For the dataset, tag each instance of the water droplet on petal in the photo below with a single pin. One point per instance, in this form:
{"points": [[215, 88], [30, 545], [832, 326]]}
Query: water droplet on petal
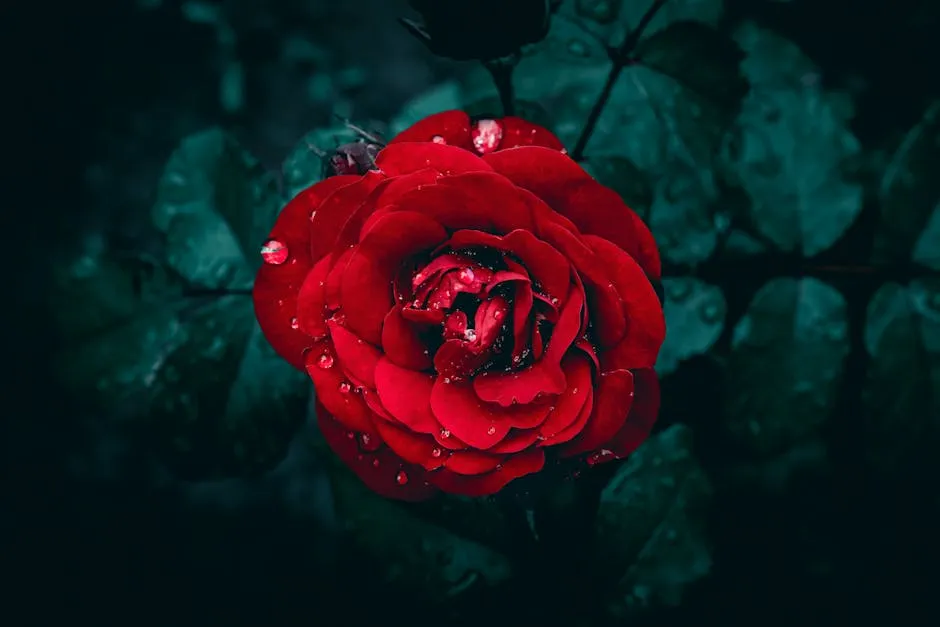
{"points": [[375, 463], [274, 252], [491, 431], [446, 379], [435, 452], [437, 139], [326, 361], [487, 134], [470, 335], [401, 478], [445, 433], [350, 435], [466, 275], [344, 388], [294, 323], [313, 214]]}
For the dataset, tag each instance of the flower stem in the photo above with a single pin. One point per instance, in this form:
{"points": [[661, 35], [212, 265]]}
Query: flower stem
{"points": [[621, 59], [501, 70]]}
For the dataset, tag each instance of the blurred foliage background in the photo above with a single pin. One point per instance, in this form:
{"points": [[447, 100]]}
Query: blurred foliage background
{"points": [[785, 157]]}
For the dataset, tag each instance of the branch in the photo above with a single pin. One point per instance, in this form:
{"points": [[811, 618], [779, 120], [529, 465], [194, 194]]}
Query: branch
{"points": [[621, 59]]}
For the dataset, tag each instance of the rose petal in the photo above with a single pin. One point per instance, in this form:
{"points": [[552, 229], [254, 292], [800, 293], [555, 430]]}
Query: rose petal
{"points": [[519, 132], [481, 201], [571, 191], [334, 391], [414, 448], [472, 462], [568, 405], [481, 425], [379, 470], [359, 358], [402, 342], [517, 440], [311, 301], [337, 208], [646, 325], [643, 414], [543, 377], [406, 395], [515, 466], [613, 397], [401, 158], [452, 127]]}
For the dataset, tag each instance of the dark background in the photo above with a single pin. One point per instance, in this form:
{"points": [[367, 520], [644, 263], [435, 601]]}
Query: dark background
{"points": [[110, 88]]}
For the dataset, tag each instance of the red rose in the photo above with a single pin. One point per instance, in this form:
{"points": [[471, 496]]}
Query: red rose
{"points": [[476, 305]]}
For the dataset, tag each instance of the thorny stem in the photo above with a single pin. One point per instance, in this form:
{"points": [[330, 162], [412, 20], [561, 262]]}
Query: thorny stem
{"points": [[621, 59], [501, 70]]}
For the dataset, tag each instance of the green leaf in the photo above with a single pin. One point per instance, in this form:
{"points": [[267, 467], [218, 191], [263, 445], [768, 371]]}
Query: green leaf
{"points": [[909, 194], [193, 373], [614, 18], [786, 363], [651, 524], [669, 130], [443, 97], [695, 317], [621, 175], [902, 335], [408, 551], [215, 203], [789, 148]]}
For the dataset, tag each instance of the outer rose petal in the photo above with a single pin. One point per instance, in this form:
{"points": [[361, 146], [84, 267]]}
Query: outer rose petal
{"points": [[335, 392], [408, 157], [515, 466], [643, 414], [569, 190], [277, 286], [518, 132], [452, 127], [381, 470], [612, 400]]}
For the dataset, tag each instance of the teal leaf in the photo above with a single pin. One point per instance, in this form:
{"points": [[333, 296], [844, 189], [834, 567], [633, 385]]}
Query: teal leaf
{"points": [[650, 526], [909, 195], [789, 148], [444, 97], [406, 551], [786, 363], [215, 203], [621, 175], [192, 374], [695, 317], [614, 18], [902, 336], [670, 130]]}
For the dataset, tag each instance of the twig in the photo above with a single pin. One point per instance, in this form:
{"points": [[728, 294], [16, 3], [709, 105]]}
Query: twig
{"points": [[621, 59]]}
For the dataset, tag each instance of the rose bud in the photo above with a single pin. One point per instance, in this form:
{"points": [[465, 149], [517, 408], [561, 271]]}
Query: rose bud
{"points": [[479, 29], [475, 309]]}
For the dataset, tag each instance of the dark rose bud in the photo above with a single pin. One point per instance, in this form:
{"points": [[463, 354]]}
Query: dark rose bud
{"points": [[354, 158], [479, 29]]}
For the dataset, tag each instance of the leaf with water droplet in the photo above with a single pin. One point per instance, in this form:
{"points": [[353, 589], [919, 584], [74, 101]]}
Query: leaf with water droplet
{"points": [[651, 536], [193, 375], [407, 550], [909, 194], [790, 147], [661, 118], [695, 317], [786, 363], [213, 201], [902, 392]]}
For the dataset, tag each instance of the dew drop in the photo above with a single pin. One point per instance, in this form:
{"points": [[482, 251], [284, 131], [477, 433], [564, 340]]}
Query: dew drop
{"points": [[486, 134], [365, 439], [326, 361], [344, 388], [435, 452], [466, 276], [274, 252], [401, 478], [446, 379], [554, 300], [437, 139], [294, 323], [711, 312], [445, 433], [350, 435], [313, 214], [470, 335], [577, 48], [491, 431], [375, 463]]}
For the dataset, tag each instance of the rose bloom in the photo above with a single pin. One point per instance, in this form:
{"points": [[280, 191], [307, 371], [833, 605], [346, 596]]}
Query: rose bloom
{"points": [[473, 309]]}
